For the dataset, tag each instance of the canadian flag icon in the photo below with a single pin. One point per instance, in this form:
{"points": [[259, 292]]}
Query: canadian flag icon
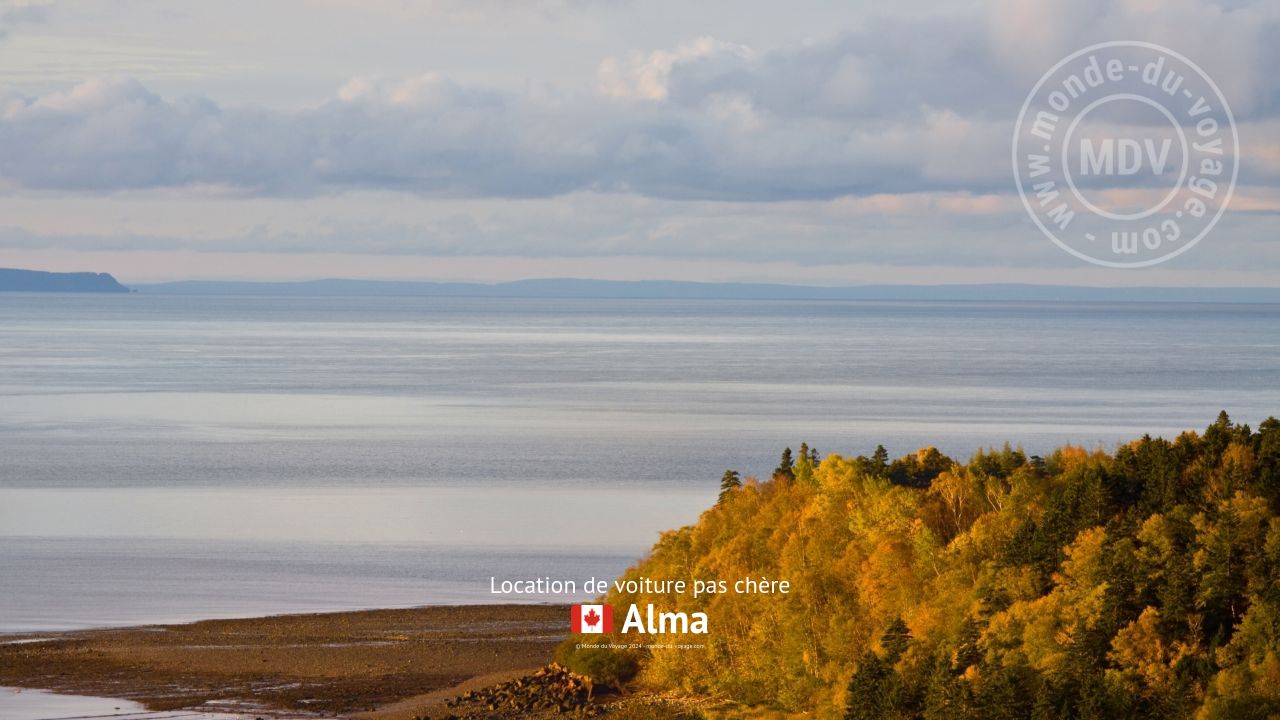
{"points": [[592, 619]]}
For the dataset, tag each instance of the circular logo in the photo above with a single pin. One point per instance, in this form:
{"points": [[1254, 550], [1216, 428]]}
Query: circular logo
{"points": [[1125, 154]]}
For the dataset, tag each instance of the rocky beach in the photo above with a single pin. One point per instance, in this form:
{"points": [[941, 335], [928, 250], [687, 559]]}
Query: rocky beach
{"points": [[383, 664]]}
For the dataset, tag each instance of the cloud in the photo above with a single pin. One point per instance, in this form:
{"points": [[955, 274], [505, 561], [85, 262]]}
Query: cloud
{"points": [[14, 13], [891, 70], [1233, 42], [583, 225], [648, 77], [900, 106], [432, 136]]}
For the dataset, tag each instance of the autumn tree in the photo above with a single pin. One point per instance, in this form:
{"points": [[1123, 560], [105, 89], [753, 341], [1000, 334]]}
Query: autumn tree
{"points": [[1143, 583]]}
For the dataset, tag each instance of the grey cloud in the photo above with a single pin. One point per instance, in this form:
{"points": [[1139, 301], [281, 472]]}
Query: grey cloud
{"points": [[23, 12], [977, 65], [1234, 42], [433, 137], [891, 70], [903, 106]]}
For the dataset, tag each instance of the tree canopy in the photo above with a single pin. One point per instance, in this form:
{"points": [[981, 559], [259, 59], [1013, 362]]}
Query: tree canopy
{"points": [[1140, 583]]}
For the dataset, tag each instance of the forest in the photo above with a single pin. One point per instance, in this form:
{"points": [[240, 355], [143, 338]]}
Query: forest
{"points": [[1138, 583]]}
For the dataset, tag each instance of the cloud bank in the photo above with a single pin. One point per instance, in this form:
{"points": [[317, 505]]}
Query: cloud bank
{"points": [[883, 145], [902, 106]]}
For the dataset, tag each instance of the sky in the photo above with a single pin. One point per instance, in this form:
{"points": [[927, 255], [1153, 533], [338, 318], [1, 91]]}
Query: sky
{"points": [[828, 143]]}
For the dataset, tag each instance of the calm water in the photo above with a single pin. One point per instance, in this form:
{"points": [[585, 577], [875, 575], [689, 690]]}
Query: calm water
{"points": [[26, 704], [167, 458]]}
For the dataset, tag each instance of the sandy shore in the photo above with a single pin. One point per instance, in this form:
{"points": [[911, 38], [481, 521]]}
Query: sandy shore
{"points": [[387, 664]]}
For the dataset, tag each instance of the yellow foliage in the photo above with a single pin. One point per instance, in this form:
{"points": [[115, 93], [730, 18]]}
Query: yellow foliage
{"points": [[1145, 661], [1008, 573]]}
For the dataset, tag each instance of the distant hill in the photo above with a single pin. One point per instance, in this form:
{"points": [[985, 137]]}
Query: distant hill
{"points": [[37, 281], [665, 289]]}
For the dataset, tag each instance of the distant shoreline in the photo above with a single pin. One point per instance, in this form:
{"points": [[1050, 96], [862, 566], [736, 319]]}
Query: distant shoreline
{"points": [[570, 288], [13, 280]]}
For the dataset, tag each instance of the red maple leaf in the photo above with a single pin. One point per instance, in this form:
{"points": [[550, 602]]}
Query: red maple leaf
{"points": [[591, 618]]}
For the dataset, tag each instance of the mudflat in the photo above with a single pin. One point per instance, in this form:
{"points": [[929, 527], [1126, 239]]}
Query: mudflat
{"points": [[326, 664]]}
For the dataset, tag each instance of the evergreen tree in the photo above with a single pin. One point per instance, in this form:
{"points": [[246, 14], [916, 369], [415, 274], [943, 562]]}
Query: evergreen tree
{"points": [[896, 639], [1007, 693], [867, 689], [880, 461], [1267, 451], [1217, 436], [877, 691], [803, 470], [947, 698], [729, 482], [786, 469], [1037, 465]]}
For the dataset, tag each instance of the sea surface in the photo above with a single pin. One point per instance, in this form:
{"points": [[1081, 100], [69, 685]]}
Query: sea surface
{"points": [[167, 458], [28, 704]]}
